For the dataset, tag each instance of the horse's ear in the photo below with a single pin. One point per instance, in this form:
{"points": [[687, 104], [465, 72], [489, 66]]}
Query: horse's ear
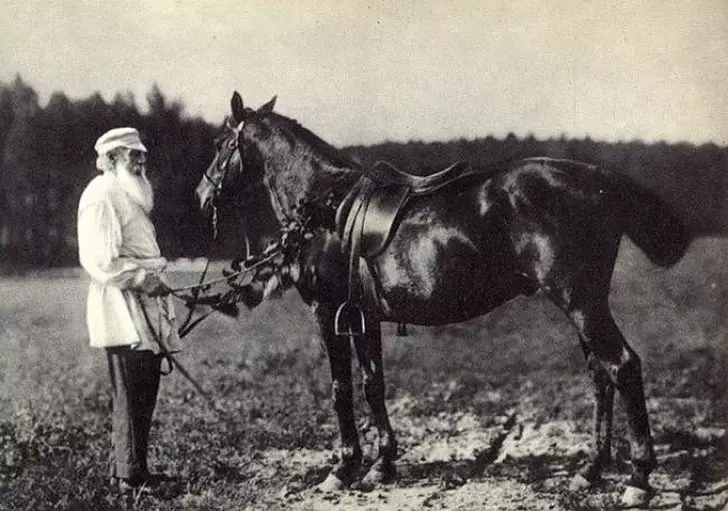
{"points": [[236, 105], [268, 107]]}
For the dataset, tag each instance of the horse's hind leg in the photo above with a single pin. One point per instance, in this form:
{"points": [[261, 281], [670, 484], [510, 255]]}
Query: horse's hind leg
{"points": [[617, 361], [369, 352], [602, 432], [339, 353]]}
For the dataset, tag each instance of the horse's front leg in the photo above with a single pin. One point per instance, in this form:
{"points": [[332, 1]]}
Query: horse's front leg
{"points": [[338, 349], [369, 353]]}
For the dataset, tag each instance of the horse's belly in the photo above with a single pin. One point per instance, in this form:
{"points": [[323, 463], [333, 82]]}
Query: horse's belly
{"points": [[432, 284]]}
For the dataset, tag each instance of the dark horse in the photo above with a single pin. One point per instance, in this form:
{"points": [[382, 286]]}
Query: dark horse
{"points": [[536, 224]]}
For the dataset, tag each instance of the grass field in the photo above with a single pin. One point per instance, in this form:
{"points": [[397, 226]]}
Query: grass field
{"points": [[490, 414]]}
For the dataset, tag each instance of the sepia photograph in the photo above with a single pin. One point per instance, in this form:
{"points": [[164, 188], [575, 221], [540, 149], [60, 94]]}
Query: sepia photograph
{"points": [[364, 255]]}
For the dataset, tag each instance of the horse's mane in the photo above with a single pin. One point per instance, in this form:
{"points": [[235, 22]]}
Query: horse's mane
{"points": [[294, 132]]}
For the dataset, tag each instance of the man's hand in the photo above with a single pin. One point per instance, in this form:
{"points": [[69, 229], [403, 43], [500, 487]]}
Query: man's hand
{"points": [[154, 286]]}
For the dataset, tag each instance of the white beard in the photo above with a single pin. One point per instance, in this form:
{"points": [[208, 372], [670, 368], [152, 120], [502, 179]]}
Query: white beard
{"points": [[137, 187]]}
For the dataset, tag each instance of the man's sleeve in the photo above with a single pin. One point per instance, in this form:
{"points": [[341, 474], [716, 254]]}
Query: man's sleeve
{"points": [[99, 242]]}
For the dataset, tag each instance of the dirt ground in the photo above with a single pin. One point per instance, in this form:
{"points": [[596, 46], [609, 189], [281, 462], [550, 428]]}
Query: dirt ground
{"points": [[455, 461]]}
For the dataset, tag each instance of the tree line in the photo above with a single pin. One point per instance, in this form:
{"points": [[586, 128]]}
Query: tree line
{"points": [[47, 158]]}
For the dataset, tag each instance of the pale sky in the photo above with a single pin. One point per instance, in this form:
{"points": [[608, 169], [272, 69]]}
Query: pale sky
{"points": [[361, 72]]}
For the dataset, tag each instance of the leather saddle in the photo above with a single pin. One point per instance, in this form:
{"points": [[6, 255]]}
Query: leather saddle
{"points": [[370, 209], [366, 219]]}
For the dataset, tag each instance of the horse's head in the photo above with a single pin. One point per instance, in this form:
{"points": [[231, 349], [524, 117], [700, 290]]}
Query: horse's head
{"points": [[231, 160]]}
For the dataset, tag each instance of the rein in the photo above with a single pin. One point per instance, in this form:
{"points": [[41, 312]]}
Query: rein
{"points": [[193, 299], [172, 360], [227, 277]]}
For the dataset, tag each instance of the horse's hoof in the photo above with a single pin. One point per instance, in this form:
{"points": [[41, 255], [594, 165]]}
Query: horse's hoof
{"points": [[379, 474], [579, 483], [636, 497], [331, 484]]}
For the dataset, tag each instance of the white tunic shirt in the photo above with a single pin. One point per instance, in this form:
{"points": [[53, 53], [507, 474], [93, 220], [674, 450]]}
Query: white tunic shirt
{"points": [[118, 247]]}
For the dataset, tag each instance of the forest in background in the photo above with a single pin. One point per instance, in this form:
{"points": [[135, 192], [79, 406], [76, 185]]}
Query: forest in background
{"points": [[47, 158]]}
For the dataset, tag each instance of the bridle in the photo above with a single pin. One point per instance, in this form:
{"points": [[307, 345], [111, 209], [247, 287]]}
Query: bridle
{"points": [[249, 264], [223, 167], [233, 145]]}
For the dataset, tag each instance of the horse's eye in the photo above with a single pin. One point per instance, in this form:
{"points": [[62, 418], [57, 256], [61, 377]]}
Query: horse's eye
{"points": [[231, 143]]}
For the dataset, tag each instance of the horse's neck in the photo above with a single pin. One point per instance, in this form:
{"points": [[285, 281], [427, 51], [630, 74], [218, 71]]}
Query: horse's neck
{"points": [[294, 175]]}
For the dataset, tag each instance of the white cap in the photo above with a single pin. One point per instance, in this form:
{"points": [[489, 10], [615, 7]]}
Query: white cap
{"points": [[119, 137]]}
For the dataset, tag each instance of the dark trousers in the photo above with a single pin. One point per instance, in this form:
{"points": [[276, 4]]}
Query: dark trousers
{"points": [[135, 383]]}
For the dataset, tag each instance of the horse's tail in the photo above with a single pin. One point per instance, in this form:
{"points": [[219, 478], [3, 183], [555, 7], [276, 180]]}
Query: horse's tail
{"points": [[650, 222]]}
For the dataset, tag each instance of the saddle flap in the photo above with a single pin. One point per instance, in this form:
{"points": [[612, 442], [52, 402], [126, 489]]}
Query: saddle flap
{"points": [[343, 211], [366, 216], [380, 218]]}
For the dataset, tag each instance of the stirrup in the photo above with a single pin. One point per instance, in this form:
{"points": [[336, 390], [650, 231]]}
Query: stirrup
{"points": [[347, 327]]}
